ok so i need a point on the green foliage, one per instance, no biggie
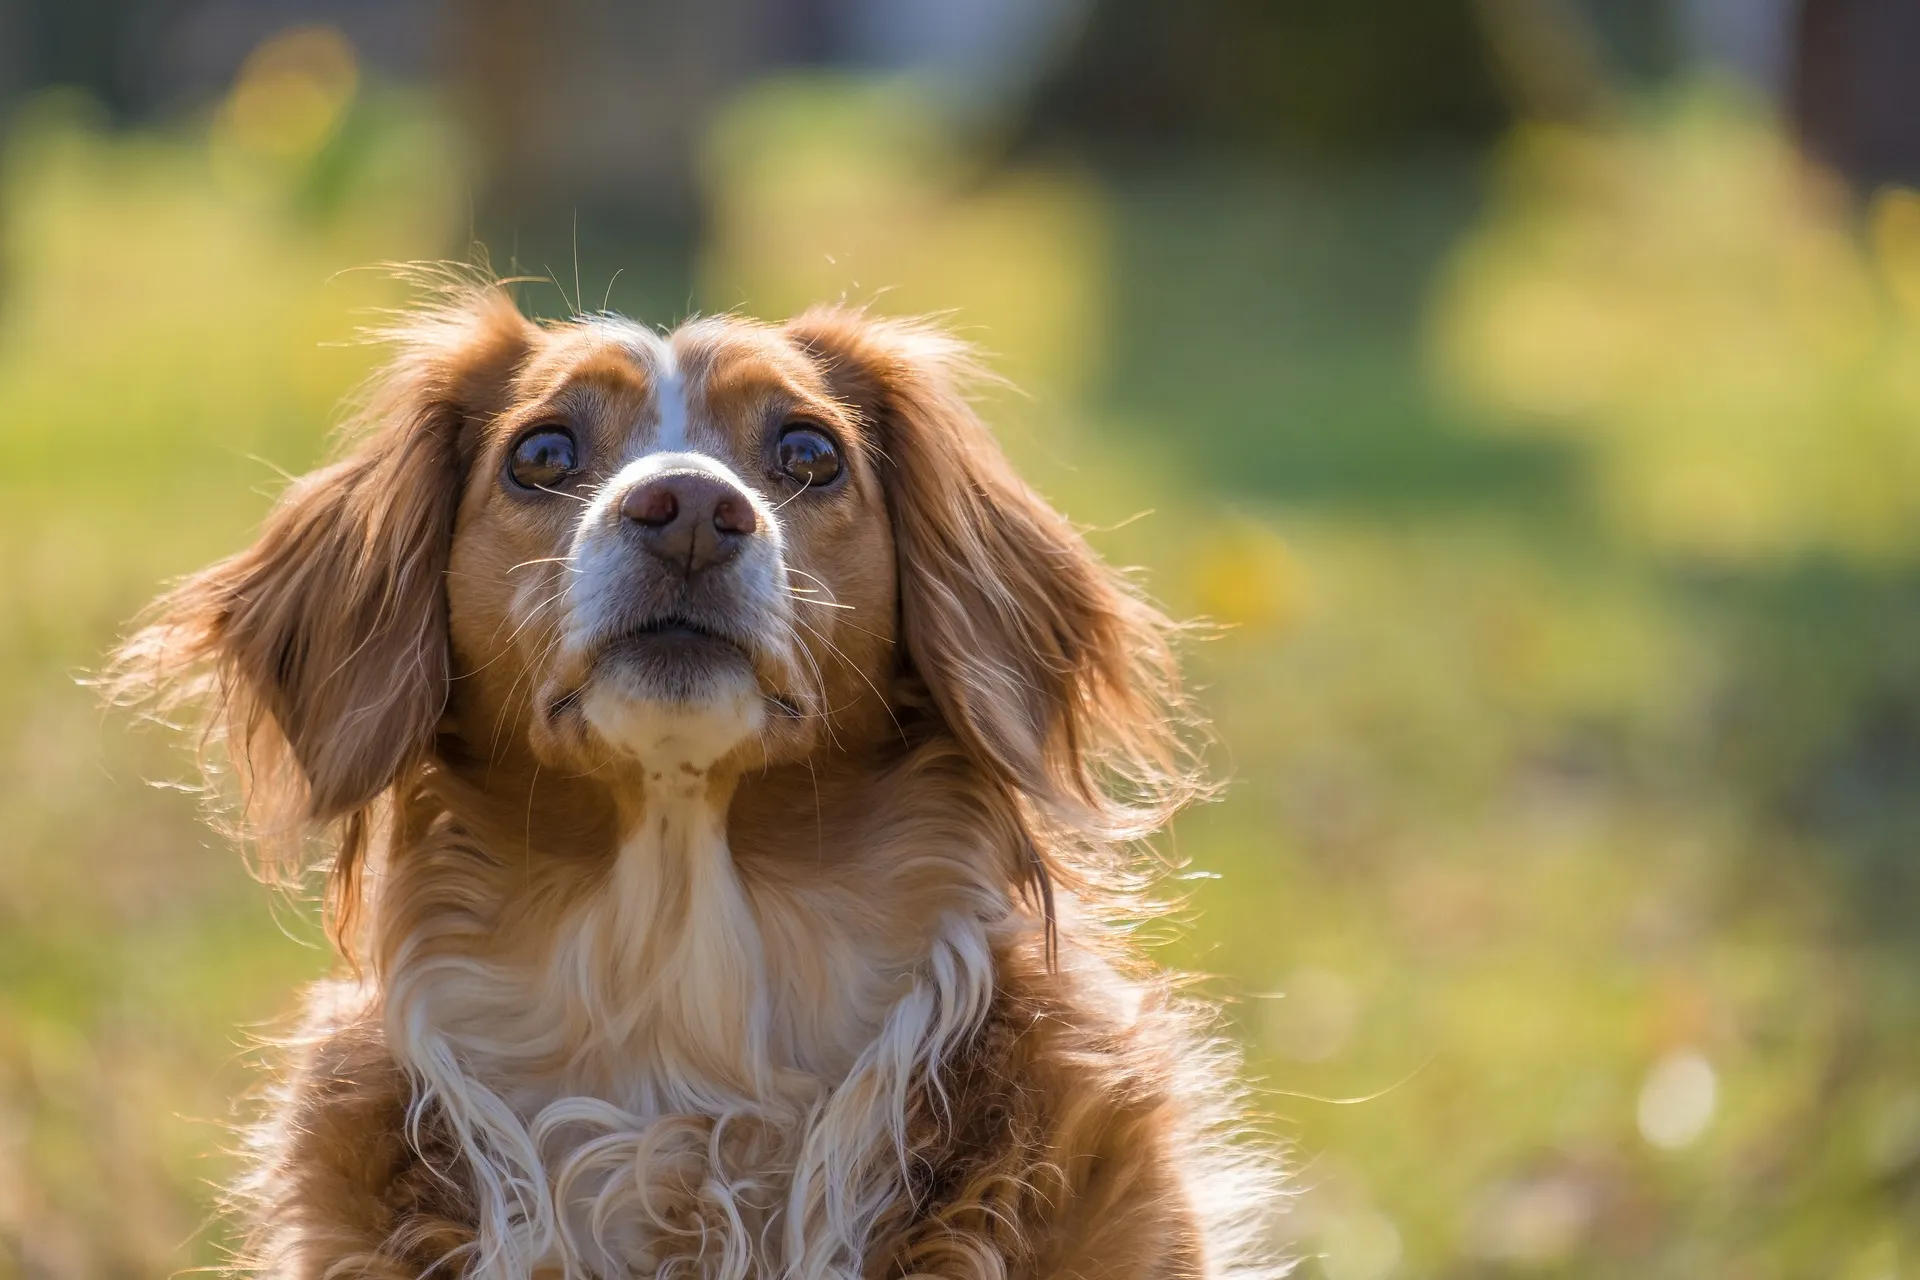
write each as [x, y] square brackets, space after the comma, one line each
[175, 335]
[1684, 295]
[1560, 896]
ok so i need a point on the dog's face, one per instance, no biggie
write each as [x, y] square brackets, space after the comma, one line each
[671, 549]
[592, 553]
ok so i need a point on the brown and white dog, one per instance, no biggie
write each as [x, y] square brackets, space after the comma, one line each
[714, 732]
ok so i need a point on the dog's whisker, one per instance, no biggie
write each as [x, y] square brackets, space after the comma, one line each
[819, 684]
[547, 638]
[796, 494]
[566, 561]
[532, 615]
[855, 668]
[825, 604]
[824, 585]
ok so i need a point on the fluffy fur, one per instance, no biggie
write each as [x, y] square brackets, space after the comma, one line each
[798, 961]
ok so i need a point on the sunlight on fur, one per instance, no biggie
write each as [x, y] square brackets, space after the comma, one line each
[733, 768]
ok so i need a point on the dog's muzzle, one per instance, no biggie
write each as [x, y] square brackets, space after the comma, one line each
[676, 596]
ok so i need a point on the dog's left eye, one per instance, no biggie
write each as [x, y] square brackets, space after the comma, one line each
[543, 458]
[809, 455]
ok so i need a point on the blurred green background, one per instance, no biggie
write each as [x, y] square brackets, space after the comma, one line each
[1530, 388]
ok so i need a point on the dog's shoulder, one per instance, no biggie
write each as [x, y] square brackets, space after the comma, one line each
[1053, 1140]
[344, 1147]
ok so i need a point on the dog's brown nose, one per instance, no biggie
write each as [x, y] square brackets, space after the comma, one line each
[689, 519]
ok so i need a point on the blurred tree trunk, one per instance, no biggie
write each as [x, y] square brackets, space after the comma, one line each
[1337, 76]
[598, 107]
[1856, 88]
[1549, 60]
[502, 61]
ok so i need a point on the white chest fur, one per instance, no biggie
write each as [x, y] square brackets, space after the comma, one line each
[695, 1077]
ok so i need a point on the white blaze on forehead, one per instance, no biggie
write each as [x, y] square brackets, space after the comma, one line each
[654, 353]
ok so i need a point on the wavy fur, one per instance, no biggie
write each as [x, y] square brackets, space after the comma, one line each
[813, 979]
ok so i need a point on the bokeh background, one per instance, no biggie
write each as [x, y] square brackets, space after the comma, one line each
[1530, 389]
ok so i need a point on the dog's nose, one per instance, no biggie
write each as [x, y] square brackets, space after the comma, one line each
[690, 520]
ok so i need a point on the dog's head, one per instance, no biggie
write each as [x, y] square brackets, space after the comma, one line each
[667, 551]
[645, 560]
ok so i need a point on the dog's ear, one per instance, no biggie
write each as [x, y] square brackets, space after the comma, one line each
[1046, 664]
[321, 650]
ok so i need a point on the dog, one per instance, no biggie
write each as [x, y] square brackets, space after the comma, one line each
[731, 766]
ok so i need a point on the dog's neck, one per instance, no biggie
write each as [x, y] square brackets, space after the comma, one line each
[708, 941]
[667, 965]
[569, 1010]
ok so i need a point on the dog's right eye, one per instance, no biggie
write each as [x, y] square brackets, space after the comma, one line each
[542, 458]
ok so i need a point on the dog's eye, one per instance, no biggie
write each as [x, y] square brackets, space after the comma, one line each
[809, 455]
[542, 458]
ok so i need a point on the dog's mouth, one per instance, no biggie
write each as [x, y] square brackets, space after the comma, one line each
[674, 647]
[673, 637]
[667, 659]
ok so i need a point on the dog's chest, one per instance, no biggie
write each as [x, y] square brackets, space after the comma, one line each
[677, 1193]
[641, 1093]
[642, 1153]
[680, 1074]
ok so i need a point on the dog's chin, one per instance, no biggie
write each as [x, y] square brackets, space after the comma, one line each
[673, 696]
[673, 663]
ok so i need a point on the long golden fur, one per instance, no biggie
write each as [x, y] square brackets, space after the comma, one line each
[798, 961]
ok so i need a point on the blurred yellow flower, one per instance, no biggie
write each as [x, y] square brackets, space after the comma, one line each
[1895, 227]
[1245, 576]
[292, 92]
[288, 101]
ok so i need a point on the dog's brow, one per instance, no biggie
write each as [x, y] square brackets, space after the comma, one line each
[612, 371]
[740, 379]
[738, 385]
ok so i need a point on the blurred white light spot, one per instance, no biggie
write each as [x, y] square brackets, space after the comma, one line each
[1314, 1017]
[1360, 1246]
[1677, 1100]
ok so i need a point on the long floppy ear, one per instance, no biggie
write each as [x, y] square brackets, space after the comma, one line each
[320, 652]
[1051, 670]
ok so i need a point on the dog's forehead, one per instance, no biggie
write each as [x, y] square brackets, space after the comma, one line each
[616, 361]
[710, 367]
[723, 359]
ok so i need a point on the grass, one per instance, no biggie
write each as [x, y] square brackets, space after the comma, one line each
[1529, 816]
